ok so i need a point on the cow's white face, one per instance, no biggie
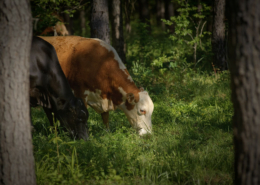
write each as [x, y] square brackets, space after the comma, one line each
[140, 117]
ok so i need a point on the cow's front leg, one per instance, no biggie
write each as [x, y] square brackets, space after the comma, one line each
[32, 127]
[49, 115]
[105, 116]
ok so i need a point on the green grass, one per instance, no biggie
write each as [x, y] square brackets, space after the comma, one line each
[191, 141]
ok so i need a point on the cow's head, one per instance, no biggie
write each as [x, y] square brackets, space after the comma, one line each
[75, 115]
[139, 111]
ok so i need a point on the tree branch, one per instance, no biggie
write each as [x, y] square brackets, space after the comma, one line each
[201, 34]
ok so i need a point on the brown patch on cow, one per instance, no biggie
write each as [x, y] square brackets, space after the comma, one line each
[130, 98]
[129, 106]
[90, 66]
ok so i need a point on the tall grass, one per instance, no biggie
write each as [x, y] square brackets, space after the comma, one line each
[191, 141]
[192, 132]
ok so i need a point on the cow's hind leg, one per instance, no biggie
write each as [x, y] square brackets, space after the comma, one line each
[105, 116]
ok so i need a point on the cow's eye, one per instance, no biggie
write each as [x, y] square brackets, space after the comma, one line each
[142, 111]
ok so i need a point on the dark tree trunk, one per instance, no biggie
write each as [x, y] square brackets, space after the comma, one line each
[209, 26]
[169, 12]
[16, 154]
[160, 11]
[144, 13]
[117, 29]
[127, 11]
[83, 23]
[68, 23]
[244, 55]
[218, 35]
[100, 20]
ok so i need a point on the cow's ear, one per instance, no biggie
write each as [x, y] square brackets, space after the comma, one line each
[141, 89]
[130, 98]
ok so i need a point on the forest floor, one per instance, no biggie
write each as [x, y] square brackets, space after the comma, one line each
[191, 141]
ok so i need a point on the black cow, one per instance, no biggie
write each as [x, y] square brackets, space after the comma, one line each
[49, 88]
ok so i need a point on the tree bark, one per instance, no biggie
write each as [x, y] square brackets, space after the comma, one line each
[100, 20]
[169, 12]
[127, 10]
[16, 154]
[144, 13]
[218, 35]
[83, 23]
[117, 29]
[160, 7]
[68, 23]
[244, 55]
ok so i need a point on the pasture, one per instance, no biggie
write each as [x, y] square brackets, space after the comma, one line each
[191, 141]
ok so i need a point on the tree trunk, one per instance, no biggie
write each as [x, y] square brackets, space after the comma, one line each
[160, 7]
[16, 154]
[209, 18]
[144, 13]
[127, 11]
[83, 23]
[169, 12]
[100, 20]
[218, 35]
[244, 55]
[117, 29]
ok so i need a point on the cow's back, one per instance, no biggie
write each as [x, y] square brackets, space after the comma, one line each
[94, 70]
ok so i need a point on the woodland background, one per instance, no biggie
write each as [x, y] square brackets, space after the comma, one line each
[176, 50]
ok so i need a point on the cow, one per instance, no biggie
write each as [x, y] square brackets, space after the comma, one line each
[59, 28]
[50, 89]
[96, 74]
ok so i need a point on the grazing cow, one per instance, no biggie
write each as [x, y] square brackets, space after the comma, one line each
[50, 89]
[96, 74]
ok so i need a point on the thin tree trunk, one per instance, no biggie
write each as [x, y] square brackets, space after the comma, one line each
[117, 29]
[16, 154]
[144, 13]
[160, 7]
[100, 20]
[209, 26]
[127, 16]
[68, 23]
[83, 23]
[244, 55]
[169, 12]
[218, 35]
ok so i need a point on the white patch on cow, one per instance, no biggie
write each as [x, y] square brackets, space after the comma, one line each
[121, 90]
[142, 123]
[116, 56]
[130, 78]
[72, 91]
[99, 104]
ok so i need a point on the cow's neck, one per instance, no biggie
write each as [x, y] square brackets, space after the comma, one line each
[126, 88]
[59, 88]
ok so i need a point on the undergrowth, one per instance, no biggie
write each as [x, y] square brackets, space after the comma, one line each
[191, 141]
[192, 131]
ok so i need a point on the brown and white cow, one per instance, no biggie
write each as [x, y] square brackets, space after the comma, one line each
[96, 74]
